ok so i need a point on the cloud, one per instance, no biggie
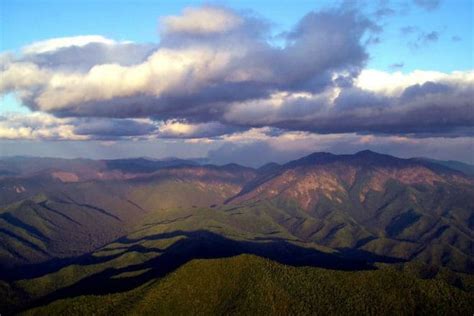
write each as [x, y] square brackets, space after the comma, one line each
[383, 12]
[222, 78]
[428, 5]
[54, 44]
[378, 103]
[186, 70]
[82, 58]
[395, 82]
[177, 129]
[201, 21]
[43, 126]
[383, 9]
[114, 128]
[432, 36]
[423, 39]
[418, 37]
[36, 126]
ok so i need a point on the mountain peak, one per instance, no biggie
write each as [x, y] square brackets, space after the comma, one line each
[372, 157]
[316, 157]
[369, 153]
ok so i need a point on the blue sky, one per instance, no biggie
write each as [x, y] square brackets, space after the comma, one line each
[429, 42]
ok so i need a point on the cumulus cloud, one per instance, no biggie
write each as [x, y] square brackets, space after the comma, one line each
[216, 74]
[177, 129]
[82, 58]
[201, 21]
[379, 102]
[37, 126]
[54, 44]
[43, 126]
[202, 71]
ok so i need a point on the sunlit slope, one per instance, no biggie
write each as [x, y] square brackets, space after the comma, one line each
[373, 203]
[57, 220]
[249, 285]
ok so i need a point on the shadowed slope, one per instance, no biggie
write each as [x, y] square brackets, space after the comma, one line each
[250, 285]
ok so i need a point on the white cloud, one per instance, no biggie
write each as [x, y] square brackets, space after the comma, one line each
[53, 44]
[37, 126]
[166, 70]
[206, 69]
[204, 20]
[22, 76]
[394, 83]
[177, 129]
[232, 79]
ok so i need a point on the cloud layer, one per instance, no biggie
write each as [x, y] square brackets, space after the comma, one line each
[218, 72]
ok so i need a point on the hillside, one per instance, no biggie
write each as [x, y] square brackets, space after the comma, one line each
[70, 235]
[367, 206]
[51, 219]
[248, 285]
[374, 203]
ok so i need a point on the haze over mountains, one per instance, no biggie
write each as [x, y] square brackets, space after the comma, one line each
[76, 227]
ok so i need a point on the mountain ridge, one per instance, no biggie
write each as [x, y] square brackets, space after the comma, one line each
[368, 201]
[82, 229]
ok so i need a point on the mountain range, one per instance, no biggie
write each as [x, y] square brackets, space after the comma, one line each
[127, 230]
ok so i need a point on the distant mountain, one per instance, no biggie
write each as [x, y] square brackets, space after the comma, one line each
[465, 168]
[76, 227]
[142, 165]
[74, 170]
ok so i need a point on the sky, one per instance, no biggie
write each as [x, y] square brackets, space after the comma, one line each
[236, 81]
